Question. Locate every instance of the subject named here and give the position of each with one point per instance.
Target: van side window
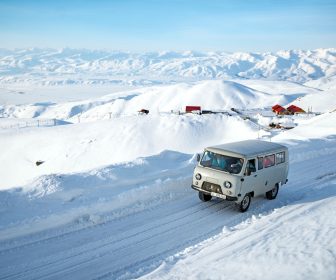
(269, 160)
(250, 167)
(260, 162)
(280, 157)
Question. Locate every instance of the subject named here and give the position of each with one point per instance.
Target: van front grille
(210, 187)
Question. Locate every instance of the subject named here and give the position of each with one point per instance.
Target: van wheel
(245, 203)
(272, 194)
(204, 197)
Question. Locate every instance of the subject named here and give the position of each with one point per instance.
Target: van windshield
(222, 162)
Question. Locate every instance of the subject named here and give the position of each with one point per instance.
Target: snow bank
(73, 148)
(119, 190)
(289, 243)
(317, 127)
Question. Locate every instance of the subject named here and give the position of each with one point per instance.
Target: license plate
(218, 195)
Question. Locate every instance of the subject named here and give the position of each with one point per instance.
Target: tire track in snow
(156, 225)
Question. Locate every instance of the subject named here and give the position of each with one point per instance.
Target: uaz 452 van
(241, 170)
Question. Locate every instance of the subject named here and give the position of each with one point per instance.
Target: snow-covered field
(111, 198)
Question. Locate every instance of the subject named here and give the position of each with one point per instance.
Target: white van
(241, 170)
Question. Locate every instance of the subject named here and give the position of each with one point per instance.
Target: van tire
(245, 203)
(272, 194)
(204, 197)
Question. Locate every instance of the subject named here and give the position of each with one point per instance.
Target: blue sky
(149, 25)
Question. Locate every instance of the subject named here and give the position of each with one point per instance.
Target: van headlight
(227, 184)
(198, 176)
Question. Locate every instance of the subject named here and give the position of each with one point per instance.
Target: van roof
(247, 147)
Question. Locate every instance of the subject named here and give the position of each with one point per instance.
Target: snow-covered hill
(71, 66)
(325, 101)
(79, 147)
(215, 95)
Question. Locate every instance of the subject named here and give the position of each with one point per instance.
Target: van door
(251, 181)
(268, 172)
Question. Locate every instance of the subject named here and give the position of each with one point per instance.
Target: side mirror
(198, 157)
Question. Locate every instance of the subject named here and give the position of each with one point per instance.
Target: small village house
(279, 110)
(292, 109)
(192, 109)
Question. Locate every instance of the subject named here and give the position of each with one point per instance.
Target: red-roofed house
(191, 109)
(279, 110)
(295, 110)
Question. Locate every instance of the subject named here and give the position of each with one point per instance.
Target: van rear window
(269, 160)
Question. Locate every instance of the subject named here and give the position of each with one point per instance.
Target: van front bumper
(223, 196)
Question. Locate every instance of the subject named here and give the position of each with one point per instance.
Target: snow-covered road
(106, 225)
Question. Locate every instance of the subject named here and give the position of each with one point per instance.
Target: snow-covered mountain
(73, 66)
